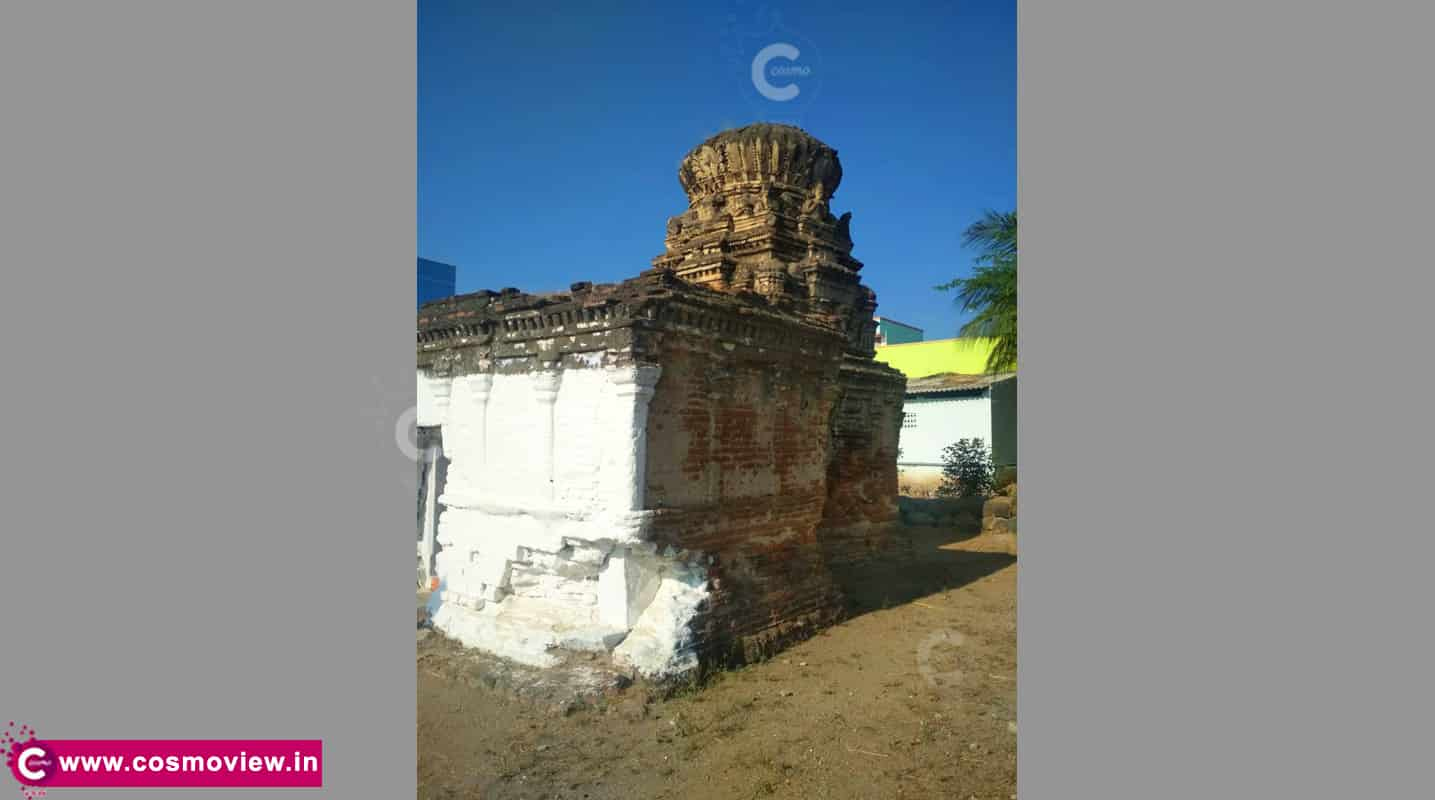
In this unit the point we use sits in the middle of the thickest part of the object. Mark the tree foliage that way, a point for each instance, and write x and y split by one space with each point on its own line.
990 292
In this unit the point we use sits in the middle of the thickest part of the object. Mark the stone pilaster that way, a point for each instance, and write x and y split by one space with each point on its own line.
636 385
545 391
479 386
440 389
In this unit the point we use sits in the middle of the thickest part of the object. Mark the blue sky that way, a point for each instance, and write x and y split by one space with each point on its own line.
549 140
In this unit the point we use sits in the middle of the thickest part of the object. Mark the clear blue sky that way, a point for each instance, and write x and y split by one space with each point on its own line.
549 140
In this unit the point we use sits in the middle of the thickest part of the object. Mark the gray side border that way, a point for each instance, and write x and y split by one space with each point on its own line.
1223 588
209 234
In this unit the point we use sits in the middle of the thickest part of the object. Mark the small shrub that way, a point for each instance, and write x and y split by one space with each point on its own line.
967 469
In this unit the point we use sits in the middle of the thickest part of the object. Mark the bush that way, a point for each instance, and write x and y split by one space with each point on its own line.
967 469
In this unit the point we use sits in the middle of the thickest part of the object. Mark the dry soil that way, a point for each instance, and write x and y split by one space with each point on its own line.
913 696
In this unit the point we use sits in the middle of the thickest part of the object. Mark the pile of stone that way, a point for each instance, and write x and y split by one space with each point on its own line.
999 512
962 513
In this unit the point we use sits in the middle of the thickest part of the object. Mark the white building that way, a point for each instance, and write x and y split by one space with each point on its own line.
941 409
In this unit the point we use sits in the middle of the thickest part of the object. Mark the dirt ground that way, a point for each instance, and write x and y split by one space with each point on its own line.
913 696
919 484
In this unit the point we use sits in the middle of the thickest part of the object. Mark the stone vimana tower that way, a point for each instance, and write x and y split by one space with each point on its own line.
676 468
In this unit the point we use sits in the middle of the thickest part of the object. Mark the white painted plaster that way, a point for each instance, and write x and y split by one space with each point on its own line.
660 644
627 584
543 537
930 424
433 396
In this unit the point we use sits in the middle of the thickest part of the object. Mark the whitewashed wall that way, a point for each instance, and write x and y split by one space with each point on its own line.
542 536
936 422
428 402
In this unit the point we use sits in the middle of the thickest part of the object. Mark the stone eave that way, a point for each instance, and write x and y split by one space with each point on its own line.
610 317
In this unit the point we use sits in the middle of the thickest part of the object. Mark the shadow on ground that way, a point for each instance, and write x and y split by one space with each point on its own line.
937 564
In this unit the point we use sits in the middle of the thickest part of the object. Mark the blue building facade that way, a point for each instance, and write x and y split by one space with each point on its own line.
890 331
436 280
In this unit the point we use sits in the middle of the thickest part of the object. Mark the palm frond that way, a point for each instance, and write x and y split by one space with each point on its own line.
990 291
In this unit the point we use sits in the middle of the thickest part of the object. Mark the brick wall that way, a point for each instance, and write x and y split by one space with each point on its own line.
861 511
780 467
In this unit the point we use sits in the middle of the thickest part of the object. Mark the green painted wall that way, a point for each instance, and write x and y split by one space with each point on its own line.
1004 422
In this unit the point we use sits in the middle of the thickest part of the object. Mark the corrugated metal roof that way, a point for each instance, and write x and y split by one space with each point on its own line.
953 382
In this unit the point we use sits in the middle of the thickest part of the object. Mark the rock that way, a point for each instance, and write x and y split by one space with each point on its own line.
999 525
1011 726
997 507
584 554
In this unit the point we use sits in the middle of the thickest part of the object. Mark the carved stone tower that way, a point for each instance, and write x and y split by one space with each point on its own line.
759 221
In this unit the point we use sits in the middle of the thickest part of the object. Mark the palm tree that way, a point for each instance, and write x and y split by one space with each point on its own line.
990 292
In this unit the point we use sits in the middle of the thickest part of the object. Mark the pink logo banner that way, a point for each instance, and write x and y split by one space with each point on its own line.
164 763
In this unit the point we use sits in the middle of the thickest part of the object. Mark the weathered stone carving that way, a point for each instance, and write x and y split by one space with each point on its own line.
759 220
676 467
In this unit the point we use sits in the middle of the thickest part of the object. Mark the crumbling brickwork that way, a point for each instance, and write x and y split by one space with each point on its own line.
733 450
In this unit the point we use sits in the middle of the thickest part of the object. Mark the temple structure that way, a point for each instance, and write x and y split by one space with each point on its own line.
675 468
